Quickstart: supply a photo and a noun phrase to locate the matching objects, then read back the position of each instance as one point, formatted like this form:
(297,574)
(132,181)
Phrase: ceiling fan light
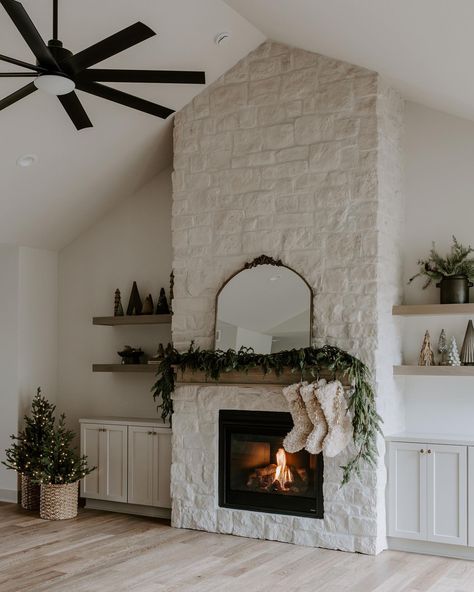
(54,84)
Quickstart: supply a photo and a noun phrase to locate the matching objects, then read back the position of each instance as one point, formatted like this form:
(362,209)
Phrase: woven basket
(59,502)
(30,494)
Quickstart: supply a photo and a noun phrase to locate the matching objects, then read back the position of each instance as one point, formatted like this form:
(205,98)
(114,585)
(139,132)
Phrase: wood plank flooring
(105,552)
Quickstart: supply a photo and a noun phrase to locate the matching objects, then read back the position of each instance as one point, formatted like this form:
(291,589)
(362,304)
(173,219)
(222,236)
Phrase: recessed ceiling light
(275,278)
(27,160)
(222,38)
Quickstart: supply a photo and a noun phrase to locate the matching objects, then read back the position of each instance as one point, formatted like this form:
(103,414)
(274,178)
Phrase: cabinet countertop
(156,422)
(432,438)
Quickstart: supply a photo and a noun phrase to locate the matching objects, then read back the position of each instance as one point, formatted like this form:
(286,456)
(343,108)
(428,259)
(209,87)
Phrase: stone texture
(297,156)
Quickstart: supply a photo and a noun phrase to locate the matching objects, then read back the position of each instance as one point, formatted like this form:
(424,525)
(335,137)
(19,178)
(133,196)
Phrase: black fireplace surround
(256,474)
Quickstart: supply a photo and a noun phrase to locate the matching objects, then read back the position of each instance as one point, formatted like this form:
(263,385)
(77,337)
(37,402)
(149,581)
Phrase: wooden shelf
(253,378)
(145,368)
(164,319)
(433,309)
(433,370)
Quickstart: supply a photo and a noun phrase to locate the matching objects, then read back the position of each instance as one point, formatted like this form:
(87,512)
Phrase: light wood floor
(111,552)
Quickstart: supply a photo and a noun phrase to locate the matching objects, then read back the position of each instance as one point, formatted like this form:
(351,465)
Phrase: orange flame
(283,472)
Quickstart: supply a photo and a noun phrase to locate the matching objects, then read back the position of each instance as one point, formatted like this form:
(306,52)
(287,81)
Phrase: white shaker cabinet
(149,461)
(407,490)
(133,460)
(428,492)
(106,448)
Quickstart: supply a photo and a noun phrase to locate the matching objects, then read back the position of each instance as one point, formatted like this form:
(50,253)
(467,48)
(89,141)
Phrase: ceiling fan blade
(117,96)
(157,76)
(29,33)
(15,62)
(108,47)
(17,75)
(17,95)
(75,110)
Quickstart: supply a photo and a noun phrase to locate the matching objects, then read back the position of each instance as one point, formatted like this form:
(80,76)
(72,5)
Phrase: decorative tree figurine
(135,304)
(27,452)
(467,350)
(118,308)
(426,354)
(162,306)
(453,354)
(443,347)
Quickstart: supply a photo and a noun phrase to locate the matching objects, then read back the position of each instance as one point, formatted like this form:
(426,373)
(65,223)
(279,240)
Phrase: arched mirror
(266,306)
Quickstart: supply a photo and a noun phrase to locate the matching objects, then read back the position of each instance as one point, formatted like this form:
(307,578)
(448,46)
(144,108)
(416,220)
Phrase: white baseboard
(121,508)
(428,548)
(9,496)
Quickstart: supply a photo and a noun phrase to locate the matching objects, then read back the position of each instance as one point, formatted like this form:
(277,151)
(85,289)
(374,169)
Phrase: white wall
(439,166)
(9,257)
(133,242)
(28,339)
(37,325)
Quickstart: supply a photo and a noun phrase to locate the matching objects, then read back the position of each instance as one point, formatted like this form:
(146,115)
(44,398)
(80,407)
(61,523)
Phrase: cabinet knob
(422,451)
(429,451)
(150,433)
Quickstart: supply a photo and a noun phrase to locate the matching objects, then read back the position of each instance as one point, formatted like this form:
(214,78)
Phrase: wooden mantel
(253,378)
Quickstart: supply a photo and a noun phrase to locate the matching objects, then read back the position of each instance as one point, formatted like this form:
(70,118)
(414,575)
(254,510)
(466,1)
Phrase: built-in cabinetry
(133,460)
(429,480)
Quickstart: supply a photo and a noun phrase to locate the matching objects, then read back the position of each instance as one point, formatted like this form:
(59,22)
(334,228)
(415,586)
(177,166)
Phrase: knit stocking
(334,406)
(296,438)
(315,439)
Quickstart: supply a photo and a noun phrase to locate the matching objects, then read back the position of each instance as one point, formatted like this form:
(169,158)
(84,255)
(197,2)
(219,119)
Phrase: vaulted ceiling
(79,175)
(423,47)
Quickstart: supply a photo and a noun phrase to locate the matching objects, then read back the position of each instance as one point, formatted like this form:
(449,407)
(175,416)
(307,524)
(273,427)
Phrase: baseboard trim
(428,548)
(9,495)
(121,508)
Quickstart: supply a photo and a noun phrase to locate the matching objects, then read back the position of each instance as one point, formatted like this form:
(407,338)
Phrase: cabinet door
(90,446)
(162,469)
(407,490)
(141,442)
(447,494)
(113,463)
(470,496)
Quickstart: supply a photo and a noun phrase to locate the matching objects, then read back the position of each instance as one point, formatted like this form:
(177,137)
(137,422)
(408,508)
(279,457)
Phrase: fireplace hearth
(255,472)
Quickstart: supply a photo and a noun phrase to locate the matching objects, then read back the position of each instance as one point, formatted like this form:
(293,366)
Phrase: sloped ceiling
(423,47)
(79,175)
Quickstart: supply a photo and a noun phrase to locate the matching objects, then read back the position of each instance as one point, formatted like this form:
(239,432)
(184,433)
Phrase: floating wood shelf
(149,368)
(164,319)
(432,309)
(433,370)
(253,378)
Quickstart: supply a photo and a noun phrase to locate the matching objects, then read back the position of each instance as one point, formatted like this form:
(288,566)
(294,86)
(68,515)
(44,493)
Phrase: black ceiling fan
(58,71)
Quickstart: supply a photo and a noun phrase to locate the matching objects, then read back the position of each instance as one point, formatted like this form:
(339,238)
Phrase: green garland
(306,362)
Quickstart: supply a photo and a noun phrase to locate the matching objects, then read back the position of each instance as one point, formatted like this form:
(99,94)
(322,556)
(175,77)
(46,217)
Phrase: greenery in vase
(456,262)
(60,463)
(304,363)
(25,453)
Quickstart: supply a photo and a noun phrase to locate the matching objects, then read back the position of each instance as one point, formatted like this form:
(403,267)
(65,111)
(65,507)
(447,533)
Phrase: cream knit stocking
(334,406)
(295,440)
(315,439)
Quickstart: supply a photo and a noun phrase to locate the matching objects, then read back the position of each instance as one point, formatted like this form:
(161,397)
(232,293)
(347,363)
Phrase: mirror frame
(266,260)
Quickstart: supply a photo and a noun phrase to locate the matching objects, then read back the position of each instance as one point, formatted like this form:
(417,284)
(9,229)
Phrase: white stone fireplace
(295,156)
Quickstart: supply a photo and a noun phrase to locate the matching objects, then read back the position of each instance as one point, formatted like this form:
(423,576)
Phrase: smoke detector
(222,38)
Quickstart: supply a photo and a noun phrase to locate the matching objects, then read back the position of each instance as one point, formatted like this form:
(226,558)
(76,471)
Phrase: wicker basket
(59,502)
(30,494)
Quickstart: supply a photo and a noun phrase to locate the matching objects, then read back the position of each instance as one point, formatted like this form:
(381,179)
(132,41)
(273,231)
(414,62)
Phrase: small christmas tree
(26,453)
(426,354)
(453,353)
(60,463)
(443,347)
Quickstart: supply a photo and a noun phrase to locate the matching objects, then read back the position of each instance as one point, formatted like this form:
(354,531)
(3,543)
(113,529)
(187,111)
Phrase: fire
(283,472)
